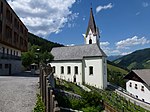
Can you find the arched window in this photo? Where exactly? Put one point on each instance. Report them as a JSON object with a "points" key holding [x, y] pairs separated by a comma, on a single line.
{"points": [[90, 41]]}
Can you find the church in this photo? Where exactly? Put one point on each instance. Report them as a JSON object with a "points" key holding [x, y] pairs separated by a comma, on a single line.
{"points": [[82, 64]]}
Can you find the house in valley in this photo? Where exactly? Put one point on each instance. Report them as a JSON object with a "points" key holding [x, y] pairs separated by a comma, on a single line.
{"points": [[138, 84]]}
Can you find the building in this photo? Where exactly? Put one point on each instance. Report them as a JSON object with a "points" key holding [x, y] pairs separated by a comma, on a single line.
{"points": [[82, 64], [138, 84], [13, 40]]}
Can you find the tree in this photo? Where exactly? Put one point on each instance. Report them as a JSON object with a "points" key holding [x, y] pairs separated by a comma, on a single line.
{"points": [[46, 57], [27, 58]]}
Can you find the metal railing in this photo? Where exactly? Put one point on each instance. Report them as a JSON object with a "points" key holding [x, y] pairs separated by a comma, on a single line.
{"points": [[8, 56]]}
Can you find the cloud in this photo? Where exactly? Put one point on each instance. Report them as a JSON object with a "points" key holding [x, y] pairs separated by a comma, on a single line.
{"points": [[125, 44], [109, 50], [99, 8], [138, 13], [104, 44], [46, 17], [70, 45], [125, 53], [145, 4]]}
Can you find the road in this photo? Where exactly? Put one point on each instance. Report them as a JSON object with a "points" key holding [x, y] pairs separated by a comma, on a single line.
{"points": [[18, 93]]}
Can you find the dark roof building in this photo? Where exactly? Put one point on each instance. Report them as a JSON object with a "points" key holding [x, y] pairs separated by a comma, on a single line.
{"points": [[142, 75]]}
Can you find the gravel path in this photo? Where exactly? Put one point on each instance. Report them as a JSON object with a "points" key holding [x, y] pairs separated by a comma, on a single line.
{"points": [[18, 93]]}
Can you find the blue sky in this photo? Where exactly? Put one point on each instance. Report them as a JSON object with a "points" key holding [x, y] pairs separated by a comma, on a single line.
{"points": [[124, 24]]}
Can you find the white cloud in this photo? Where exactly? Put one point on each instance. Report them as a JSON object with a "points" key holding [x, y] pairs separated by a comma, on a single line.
{"points": [[46, 17], [145, 4], [104, 44], [125, 44], [70, 45], [109, 50], [99, 8], [138, 13], [125, 53]]}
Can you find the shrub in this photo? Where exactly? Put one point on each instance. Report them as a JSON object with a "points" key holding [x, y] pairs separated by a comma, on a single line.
{"points": [[39, 107]]}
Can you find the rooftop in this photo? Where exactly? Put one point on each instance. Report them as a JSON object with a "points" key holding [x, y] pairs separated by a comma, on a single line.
{"points": [[77, 52], [143, 74]]}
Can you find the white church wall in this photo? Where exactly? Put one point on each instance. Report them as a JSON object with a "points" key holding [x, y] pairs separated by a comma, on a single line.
{"points": [[105, 71], [95, 79], [138, 92], [66, 76]]}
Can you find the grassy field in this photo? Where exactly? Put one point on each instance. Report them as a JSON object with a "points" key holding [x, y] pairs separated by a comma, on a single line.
{"points": [[115, 68]]}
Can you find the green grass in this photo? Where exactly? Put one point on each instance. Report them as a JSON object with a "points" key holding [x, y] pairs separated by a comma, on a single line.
{"points": [[114, 68], [119, 103], [39, 107], [68, 86], [90, 101]]}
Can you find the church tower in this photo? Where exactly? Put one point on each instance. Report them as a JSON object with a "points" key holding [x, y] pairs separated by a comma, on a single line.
{"points": [[92, 33]]}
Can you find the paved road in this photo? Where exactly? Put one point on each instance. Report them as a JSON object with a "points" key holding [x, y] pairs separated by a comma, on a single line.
{"points": [[18, 93]]}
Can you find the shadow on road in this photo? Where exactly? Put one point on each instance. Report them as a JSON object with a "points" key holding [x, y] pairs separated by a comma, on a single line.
{"points": [[25, 74]]}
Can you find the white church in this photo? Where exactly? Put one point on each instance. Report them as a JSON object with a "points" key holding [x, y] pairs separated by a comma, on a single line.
{"points": [[82, 64]]}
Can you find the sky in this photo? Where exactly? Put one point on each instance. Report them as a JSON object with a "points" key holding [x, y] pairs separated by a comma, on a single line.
{"points": [[124, 24]]}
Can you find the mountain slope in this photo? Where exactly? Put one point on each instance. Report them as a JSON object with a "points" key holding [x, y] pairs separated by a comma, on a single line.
{"points": [[112, 58], [43, 43], [137, 60], [115, 74]]}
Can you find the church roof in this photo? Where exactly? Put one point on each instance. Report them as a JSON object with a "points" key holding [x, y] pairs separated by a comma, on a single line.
{"points": [[144, 74], [77, 52], [91, 24]]}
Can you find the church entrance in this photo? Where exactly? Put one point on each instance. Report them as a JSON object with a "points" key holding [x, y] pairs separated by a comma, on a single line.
{"points": [[74, 78]]}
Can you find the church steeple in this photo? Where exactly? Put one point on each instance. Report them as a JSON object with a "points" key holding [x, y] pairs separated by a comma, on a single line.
{"points": [[91, 24], [92, 33]]}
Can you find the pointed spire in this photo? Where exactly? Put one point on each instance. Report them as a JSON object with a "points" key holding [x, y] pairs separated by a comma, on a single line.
{"points": [[91, 24]]}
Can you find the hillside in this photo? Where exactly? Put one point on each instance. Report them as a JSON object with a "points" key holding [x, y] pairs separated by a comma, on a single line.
{"points": [[116, 74], [43, 43], [113, 57], [137, 60]]}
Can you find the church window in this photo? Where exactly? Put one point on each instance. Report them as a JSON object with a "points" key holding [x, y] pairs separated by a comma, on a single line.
{"points": [[135, 86], [142, 88], [62, 70], [90, 41], [69, 70], [54, 69], [90, 70], [76, 70], [130, 84]]}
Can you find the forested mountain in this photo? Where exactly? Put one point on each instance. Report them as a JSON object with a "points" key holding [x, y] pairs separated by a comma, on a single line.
{"points": [[114, 57], [137, 60], [38, 50], [44, 44]]}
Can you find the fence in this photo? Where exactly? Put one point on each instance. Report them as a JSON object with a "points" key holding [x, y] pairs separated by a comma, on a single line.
{"points": [[46, 84], [109, 108]]}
